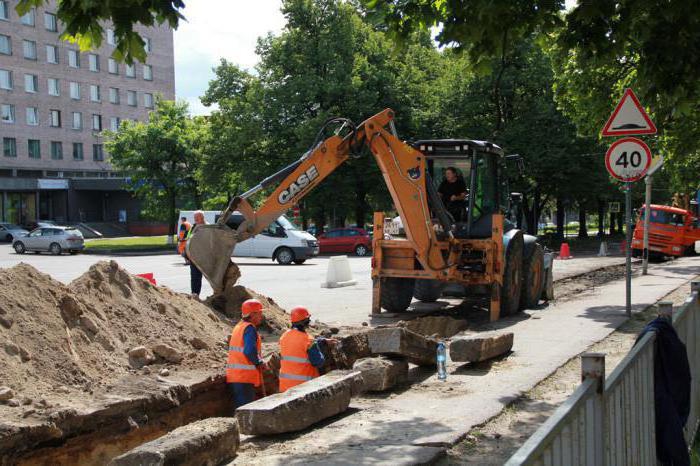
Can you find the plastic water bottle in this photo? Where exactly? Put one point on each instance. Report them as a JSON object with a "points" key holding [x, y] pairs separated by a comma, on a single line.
{"points": [[442, 361]]}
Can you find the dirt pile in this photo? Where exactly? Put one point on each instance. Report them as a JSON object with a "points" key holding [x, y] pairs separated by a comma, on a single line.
{"points": [[104, 325]]}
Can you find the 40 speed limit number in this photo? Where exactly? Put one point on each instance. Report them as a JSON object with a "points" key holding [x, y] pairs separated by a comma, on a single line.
{"points": [[628, 159]]}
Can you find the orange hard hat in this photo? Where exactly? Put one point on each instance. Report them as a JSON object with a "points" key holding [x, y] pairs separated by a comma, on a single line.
{"points": [[250, 306], [300, 313]]}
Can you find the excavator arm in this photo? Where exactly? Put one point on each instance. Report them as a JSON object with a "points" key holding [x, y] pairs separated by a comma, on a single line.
{"points": [[402, 167]]}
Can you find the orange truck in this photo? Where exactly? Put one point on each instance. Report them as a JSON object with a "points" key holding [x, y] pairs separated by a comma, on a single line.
{"points": [[672, 232]]}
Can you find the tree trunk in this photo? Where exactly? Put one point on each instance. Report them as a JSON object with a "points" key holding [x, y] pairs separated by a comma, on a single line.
{"points": [[582, 227], [560, 218], [319, 218], [172, 217], [612, 223], [620, 222], [601, 218], [533, 228]]}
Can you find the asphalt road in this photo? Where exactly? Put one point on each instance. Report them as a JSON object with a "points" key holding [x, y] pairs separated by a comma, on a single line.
{"points": [[288, 285]]}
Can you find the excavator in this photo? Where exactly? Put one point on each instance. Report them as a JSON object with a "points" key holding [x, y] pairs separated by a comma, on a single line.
{"points": [[484, 255]]}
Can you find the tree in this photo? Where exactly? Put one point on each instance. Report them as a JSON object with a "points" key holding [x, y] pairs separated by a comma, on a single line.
{"points": [[83, 21], [160, 156]]}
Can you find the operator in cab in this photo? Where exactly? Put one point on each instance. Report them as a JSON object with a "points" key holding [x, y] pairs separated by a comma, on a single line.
{"points": [[453, 192]]}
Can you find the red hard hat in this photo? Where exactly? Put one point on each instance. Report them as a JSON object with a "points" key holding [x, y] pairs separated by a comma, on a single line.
{"points": [[250, 306], [299, 313]]}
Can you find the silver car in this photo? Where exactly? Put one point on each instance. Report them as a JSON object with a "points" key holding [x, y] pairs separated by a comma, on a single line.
{"points": [[54, 239], [10, 231]]}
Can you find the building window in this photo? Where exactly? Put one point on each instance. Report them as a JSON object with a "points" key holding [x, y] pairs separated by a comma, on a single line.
{"points": [[32, 116], [97, 122], [130, 71], [110, 37], [55, 118], [34, 148], [114, 123], [56, 150], [94, 61], [9, 147], [147, 44], [5, 79], [114, 95], [52, 54], [73, 59], [94, 93], [148, 100], [5, 45], [147, 72], [77, 120], [29, 47], [112, 66], [4, 10], [54, 87], [74, 90], [7, 113], [28, 18], [77, 151], [97, 153], [131, 98], [31, 83], [50, 22]]}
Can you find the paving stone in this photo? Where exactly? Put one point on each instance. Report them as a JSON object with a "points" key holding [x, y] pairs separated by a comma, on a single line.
{"points": [[300, 406], [480, 347], [382, 373], [207, 442], [401, 342]]}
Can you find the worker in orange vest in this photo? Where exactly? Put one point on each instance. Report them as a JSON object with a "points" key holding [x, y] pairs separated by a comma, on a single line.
{"points": [[244, 365], [185, 228], [301, 355]]}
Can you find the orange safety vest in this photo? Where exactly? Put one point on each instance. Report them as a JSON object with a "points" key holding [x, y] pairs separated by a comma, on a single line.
{"points": [[182, 236], [296, 367], [238, 367]]}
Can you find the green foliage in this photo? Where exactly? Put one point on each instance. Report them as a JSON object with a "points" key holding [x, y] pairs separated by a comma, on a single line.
{"points": [[82, 21], [161, 156]]}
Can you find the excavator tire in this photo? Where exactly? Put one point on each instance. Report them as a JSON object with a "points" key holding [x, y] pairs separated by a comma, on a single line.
{"points": [[533, 276], [512, 277], [396, 293], [428, 291]]}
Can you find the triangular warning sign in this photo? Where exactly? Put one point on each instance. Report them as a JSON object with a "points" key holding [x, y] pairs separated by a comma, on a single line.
{"points": [[628, 118]]}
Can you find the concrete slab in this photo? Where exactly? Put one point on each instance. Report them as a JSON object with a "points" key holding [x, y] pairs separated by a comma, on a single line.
{"points": [[398, 341], [434, 413], [480, 346], [381, 374]]}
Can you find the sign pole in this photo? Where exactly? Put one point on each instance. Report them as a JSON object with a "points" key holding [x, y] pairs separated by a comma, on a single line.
{"points": [[647, 214], [628, 249]]}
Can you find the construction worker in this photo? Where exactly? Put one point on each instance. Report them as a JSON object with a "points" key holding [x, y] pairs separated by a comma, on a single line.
{"points": [[453, 191], [301, 355], [195, 273], [182, 235], [244, 365]]}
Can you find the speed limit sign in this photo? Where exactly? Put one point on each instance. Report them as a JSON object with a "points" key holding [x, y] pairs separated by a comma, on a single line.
{"points": [[628, 159]]}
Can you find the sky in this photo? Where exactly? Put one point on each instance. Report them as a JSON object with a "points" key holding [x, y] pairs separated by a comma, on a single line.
{"points": [[217, 29]]}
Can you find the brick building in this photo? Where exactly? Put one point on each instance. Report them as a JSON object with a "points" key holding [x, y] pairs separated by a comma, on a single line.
{"points": [[54, 103]]}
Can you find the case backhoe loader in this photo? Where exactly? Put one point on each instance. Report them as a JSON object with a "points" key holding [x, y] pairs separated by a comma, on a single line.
{"points": [[483, 254]]}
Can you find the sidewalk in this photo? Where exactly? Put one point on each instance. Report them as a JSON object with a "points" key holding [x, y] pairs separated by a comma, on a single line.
{"points": [[431, 415]]}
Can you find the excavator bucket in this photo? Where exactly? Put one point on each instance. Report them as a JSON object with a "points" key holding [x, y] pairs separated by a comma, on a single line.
{"points": [[210, 249]]}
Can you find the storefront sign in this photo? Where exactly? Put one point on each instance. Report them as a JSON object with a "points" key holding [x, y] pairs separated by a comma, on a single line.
{"points": [[52, 184]]}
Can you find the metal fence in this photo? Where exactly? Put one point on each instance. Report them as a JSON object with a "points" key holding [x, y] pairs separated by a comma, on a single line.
{"points": [[611, 422]]}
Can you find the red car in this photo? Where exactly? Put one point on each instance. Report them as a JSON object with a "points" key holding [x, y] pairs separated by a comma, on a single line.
{"points": [[348, 240]]}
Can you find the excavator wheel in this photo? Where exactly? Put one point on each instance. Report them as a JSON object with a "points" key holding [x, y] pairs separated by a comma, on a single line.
{"points": [[428, 291], [396, 293], [533, 276], [512, 277]]}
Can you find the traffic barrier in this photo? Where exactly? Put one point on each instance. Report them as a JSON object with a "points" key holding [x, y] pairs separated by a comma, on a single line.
{"points": [[338, 273], [147, 276], [603, 249], [564, 252]]}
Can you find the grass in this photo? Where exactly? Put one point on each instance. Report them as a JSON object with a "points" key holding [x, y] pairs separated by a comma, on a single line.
{"points": [[134, 243]]}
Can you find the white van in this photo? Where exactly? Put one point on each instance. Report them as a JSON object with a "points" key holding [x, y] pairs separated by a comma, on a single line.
{"points": [[281, 240]]}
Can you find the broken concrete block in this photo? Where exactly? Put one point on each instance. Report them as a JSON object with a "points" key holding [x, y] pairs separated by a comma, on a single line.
{"points": [[210, 441], [401, 342], [480, 347], [168, 353], [348, 350], [300, 406], [139, 352], [382, 373]]}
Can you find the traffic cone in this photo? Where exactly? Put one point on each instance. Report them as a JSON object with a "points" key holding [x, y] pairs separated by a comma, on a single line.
{"points": [[603, 249], [147, 276], [564, 252]]}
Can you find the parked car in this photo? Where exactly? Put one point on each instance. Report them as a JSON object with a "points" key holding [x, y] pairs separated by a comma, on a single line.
{"points": [[10, 231], [54, 239], [348, 240], [281, 240]]}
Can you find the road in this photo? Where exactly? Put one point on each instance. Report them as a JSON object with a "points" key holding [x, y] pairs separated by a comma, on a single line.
{"points": [[287, 285]]}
